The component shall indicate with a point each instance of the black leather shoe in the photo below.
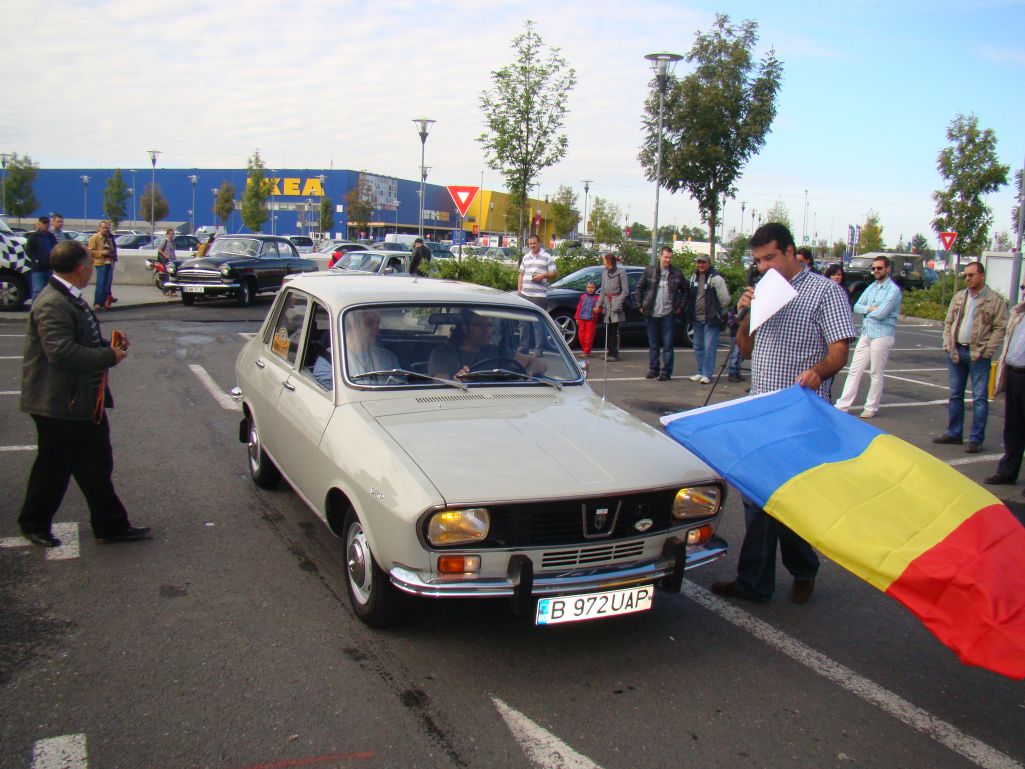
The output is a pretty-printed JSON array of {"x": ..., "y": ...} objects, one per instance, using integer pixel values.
[
  {"x": 999, "y": 480},
  {"x": 43, "y": 540},
  {"x": 948, "y": 439},
  {"x": 801, "y": 590},
  {"x": 972, "y": 448},
  {"x": 734, "y": 378},
  {"x": 131, "y": 534},
  {"x": 651, "y": 374},
  {"x": 663, "y": 377},
  {"x": 733, "y": 590}
]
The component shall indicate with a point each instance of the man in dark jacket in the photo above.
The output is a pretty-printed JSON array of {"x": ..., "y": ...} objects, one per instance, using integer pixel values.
[
  {"x": 64, "y": 388},
  {"x": 421, "y": 258},
  {"x": 662, "y": 294},
  {"x": 37, "y": 251}
]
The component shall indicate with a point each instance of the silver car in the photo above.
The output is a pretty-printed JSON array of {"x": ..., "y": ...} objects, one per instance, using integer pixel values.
[{"x": 445, "y": 433}]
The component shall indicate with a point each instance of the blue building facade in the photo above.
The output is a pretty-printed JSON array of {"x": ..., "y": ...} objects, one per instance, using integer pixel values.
[{"x": 294, "y": 203}]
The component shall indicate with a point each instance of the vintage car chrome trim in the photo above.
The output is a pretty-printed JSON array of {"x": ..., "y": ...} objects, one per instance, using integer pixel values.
[
  {"x": 431, "y": 585},
  {"x": 213, "y": 286}
]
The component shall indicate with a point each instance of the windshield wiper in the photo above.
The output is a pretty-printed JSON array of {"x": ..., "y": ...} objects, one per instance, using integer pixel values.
[
  {"x": 505, "y": 373},
  {"x": 396, "y": 372}
]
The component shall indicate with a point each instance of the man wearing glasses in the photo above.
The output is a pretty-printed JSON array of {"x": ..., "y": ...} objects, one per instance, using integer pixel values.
[
  {"x": 972, "y": 333},
  {"x": 880, "y": 304},
  {"x": 1011, "y": 382}
]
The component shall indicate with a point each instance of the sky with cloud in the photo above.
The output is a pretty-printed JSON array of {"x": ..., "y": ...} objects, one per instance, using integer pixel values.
[{"x": 868, "y": 91}]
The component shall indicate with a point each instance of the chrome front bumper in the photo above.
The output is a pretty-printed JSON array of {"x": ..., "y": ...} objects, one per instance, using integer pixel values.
[{"x": 171, "y": 283}]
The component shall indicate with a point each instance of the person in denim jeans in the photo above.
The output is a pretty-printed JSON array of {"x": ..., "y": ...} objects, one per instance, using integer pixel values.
[
  {"x": 972, "y": 332},
  {"x": 709, "y": 299},
  {"x": 662, "y": 294}
]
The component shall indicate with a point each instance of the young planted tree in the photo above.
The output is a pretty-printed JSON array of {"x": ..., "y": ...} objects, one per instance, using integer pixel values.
[
  {"x": 153, "y": 205},
  {"x": 779, "y": 213},
  {"x": 640, "y": 231},
  {"x": 359, "y": 203},
  {"x": 716, "y": 117},
  {"x": 115, "y": 199},
  {"x": 327, "y": 214},
  {"x": 18, "y": 193},
  {"x": 604, "y": 221},
  {"x": 971, "y": 169},
  {"x": 871, "y": 234},
  {"x": 224, "y": 203},
  {"x": 919, "y": 244},
  {"x": 564, "y": 213},
  {"x": 523, "y": 112},
  {"x": 256, "y": 194}
]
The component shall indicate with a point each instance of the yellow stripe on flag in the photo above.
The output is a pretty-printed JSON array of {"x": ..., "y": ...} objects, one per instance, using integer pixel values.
[{"x": 878, "y": 512}]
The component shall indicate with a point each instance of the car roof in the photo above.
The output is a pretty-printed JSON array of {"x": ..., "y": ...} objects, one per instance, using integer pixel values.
[{"x": 359, "y": 288}]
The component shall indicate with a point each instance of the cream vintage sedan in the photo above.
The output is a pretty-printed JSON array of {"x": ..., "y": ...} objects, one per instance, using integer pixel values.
[{"x": 446, "y": 434}]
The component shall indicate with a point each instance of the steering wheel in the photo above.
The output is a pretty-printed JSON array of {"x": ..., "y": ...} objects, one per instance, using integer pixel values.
[{"x": 498, "y": 361}]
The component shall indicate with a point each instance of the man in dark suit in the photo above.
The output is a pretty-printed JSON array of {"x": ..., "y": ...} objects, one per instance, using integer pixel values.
[
  {"x": 37, "y": 248},
  {"x": 64, "y": 388}
]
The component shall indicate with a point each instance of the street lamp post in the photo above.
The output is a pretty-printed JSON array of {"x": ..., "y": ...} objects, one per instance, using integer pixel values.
[
  {"x": 192, "y": 222},
  {"x": 743, "y": 205},
  {"x": 587, "y": 188},
  {"x": 153, "y": 155},
  {"x": 323, "y": 194},
  {"x": 4, "y": 157},
  {"x": 423, "y": 127},
  {"x": 662, "y": 64},
  {"x": 85, "y": 198},
  {"x": 132, "y": 190}
]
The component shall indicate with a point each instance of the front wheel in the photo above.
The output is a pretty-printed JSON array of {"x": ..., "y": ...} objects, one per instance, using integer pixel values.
[
  {"x": 13, "y": 291},
  {"x": 188, "y": 299},
  {"x": 567, "y": 325},
  {"x": 244, "y": 297},
  {"x": 261, "y": 468},
  {"x": 374, "y": 599}
]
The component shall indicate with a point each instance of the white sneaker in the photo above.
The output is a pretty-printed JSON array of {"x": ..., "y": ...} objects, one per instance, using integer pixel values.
[
  {"x": 695, "y": 378},
  {"x": 705, "y": 380},
  {"x": 866, "y": 414}
]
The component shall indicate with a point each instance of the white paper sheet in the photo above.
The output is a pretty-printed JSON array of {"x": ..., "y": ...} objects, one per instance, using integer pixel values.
[{"x": 771, "y": 294}]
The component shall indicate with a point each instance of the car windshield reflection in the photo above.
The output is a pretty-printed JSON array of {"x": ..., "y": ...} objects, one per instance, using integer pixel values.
[{"x": 234, "y": 247}]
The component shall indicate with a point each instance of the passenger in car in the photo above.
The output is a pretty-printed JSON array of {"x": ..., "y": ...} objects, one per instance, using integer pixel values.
[
  {"x": 470, "y": 344},
  {"x": 362, "y": 352}
]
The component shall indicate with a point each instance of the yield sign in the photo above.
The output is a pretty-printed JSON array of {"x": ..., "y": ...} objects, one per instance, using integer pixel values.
[
  {"x": 462, "y": 197},
  {"x": 947, "y": 238}
]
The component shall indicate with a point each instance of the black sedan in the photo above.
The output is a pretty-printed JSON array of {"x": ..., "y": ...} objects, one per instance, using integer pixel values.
[
  {"x": 565, "y": 293},
  {"x": 241, "y": 266}
]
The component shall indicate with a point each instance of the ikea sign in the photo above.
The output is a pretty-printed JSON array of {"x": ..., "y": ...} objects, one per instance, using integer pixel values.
[{"x": 294, "y": 186}]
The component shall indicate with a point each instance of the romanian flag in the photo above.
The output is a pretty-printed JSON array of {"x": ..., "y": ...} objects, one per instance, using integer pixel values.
[{"x": 896, "y": 516}]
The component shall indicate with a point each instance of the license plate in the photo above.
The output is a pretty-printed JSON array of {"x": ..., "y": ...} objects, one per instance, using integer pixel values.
[
  {"x": 574, "y": 608},
  {"x": 192, "y": 289}
]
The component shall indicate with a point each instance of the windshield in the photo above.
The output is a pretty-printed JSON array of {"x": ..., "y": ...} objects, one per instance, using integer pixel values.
[
  {"x": 577, "y": 281},
  {"x": 366, "y": 261},
  {"x": 463, "y": 345},
  {"x": 235, "y": 247}
]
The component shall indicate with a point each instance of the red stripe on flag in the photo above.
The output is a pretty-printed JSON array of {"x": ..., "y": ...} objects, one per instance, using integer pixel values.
[{"x": 969, "y": 591}]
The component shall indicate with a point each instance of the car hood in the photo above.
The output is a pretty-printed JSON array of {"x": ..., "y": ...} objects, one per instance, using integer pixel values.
[
  {"x": 212, "y": 262},
  {"x": 495, "y": 445}
]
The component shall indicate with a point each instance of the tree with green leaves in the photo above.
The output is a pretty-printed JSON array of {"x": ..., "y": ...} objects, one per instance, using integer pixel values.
[
  {"x": 971, "y": 170},
  {"x": 115, "y": 199},
  {"x": 667, "y": 233},
  {"x": 871, "y": 234},
  {"x": 359, "y": 204},
  {"x": 18, "y": 193},
  {"x": 604, "y": 221},
  {"x": 256, "y": 194},
  {"x": 1002, "y": 241},
  {"x": 838, "y": 249},
  {"x": 327, "y": 214},
  {"x": 1014, "y": 208},
  {"x": 224, "y": 203},
  {"x": 640, "y": 231},
  {"x": 779, "y": 213},
  {"x": 716, "y": 117},
  {"x": 153, "y": 205},
  {"x": 524, "y": 111},
  {"x": 563, "y": 212}
]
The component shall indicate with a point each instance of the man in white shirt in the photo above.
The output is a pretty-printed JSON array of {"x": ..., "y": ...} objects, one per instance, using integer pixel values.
[{"x": 537, "y": 270}]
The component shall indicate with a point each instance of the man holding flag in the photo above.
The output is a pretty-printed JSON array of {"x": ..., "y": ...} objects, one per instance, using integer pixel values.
[{"x": 806, "y": 342}]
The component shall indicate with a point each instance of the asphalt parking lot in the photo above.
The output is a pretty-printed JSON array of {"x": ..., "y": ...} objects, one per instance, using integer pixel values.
[{"x": 226, "y": 641}]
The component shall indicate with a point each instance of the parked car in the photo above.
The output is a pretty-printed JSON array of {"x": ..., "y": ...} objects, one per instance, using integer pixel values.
[
  {"x": 339, "y": 248},
  {"x": 439, "y": 250},
  {"x": 133, "y": 241},
  {"x": 491, "y": 482},
  {"x": 241, "y": 266},
  {"x": 377, "y": 262},
  {"x": 909, "y": 271},
  {"x": 564, "y": 294},
  {"x": 14, "y": 280},
  {"x": 181, "y": 243},
  {"x": 303, "y": 243}
]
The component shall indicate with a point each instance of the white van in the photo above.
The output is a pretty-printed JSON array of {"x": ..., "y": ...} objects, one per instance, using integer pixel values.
[{"x": 401, "y": 240}]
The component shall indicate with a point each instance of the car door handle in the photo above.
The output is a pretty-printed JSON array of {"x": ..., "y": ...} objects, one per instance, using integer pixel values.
[
  {"x": 259, "y": 363},
  {"x": 288, "y": 385}
]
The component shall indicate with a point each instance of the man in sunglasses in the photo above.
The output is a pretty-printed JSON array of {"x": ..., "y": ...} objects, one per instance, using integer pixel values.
[
  {"x": 880, "y": 304},
  {"x": 1011, "y": 382}
]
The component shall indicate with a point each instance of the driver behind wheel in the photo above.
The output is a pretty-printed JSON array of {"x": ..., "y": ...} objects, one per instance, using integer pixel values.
[{"x": 470, "y": 344}]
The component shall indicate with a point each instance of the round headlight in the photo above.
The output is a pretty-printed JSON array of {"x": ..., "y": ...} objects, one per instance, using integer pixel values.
[
  {"x": 457, "y": 527},
  {"x": 171, "y": 268},
  {"x": 697, "y": 502},
  {"x": 225, "y": 270}
]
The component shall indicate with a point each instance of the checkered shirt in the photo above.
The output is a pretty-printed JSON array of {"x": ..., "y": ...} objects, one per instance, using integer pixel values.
[{"x": 798, "y": 336}]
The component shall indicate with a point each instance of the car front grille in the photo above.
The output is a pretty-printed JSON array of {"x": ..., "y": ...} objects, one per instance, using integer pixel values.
[
  {"x": 199, "y": 276},
  {"x": 590, "y": 556}
]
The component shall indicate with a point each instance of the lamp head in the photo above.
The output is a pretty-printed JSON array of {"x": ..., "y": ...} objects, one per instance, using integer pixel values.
[{"x": 423, "y": 126}]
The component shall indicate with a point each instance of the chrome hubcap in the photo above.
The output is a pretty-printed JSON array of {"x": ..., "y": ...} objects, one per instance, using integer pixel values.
[
  {"x": 254, "y": 448},
  {"x": 358, "y": 564}
]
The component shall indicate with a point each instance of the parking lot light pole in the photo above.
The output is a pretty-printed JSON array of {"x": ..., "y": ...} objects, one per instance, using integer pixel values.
[
  {"x": 85, "y": 198},
  {"x": 192, "y": 222},
  {"x": 4, "y": 157},
  {"x": 132, "y": 190},
  {"x": 587, "y": 188},
  {"x": 153, "y": 155},
  {"x": 423, "y": 127},
  {"x": 662, "y": 64}
]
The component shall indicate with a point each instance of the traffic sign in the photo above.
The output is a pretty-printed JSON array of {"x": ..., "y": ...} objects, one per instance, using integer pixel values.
[
  {"x": 947, "y": 238},
  {"x": 462, "y": 197}
]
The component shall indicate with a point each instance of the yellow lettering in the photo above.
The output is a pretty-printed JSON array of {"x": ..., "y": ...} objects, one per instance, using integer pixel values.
[
  {"x": 312, "y": 187},
  {"x": 291, "y": 186},
  {"x": 273, "y": 182}
]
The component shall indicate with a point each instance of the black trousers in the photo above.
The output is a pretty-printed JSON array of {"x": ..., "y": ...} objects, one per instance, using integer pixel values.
[
  {"x": 72, "y": 448},
  {"x": 1014, "y": 425}
]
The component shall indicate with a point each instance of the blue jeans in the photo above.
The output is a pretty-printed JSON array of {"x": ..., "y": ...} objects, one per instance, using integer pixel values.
[
  {"x": 756, "y": 566},
  {"x": 100, "y": 294},
  {"x": 37, "y": 281},
  {"x": 660, "y": 335},
  {"x": 733, "y": 367},
  {"x": 706, "y": 346},
  {"x": 958, "y": 372}
]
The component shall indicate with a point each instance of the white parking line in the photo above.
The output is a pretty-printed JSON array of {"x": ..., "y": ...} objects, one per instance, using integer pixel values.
[
  {"x": 10, "y": 357},
  {"x": 66, "y": 752},
  {"x": 913, "y": 349},
  {"x": 10, "y": 392},
  {"x": 918, "y": 719},
  {"x": 224, "y": 400},
  {"x": 17, "y": 448},
  {"x": 974, "y": 460},
  {"x": 12, "y": 336},
  {"x": 543, "y": 748},
  {"x": 911, "y": 405},
  {"x": 916, "y": 381},
  {"x": 67, "y": 533}
]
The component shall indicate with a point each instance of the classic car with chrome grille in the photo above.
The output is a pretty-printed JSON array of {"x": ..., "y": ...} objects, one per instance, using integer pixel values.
[
  {"x": 240, "y": 266},
  {"x": 445, "y": 433}
]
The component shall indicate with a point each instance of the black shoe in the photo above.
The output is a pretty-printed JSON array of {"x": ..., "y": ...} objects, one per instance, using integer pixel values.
[
  {"x": 801, "y": 590},
  {"x": 972, "y": 448},
  {"x": 131, "y": 534},
  {"x": 999, "y": 480},
  {"x": 651, "y": 374},
  {"x": 43, "y": 540},
  {"x": 733, "y": 590},
  {"x": 948, "y": 439},
  {"x": 611, "y": 357},
  {"x": 663, "y": 377},
  {"x": 734, "y": 378}
]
